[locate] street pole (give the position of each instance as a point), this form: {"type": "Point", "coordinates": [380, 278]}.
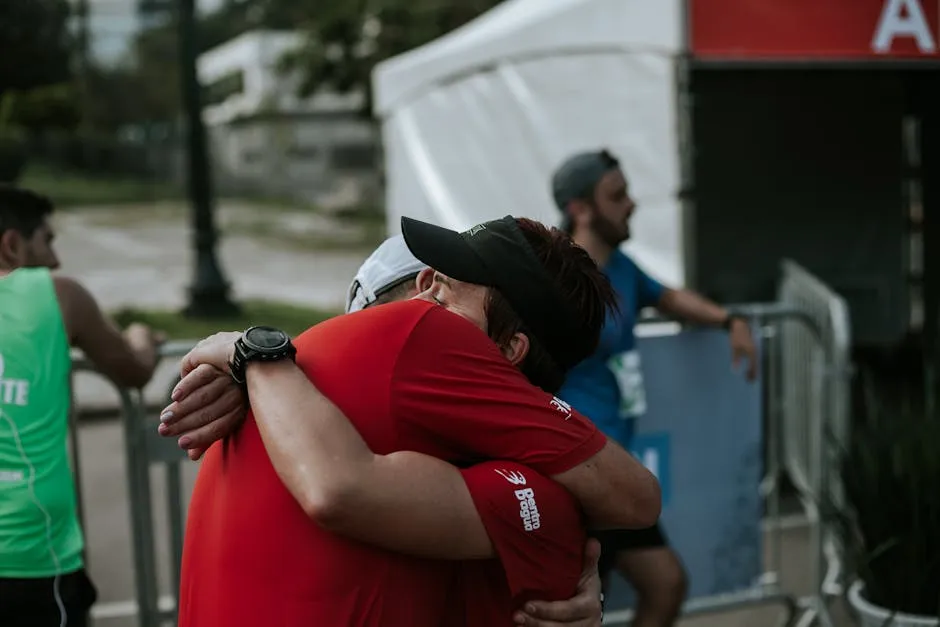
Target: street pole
{"type": "Point", "coordinates": [209, 292]}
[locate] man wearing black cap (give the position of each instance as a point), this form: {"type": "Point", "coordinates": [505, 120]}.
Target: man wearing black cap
{"type": "Point", "coordinates": [439, 375]}
{"type": "Point", "coordinates": [592, 193]}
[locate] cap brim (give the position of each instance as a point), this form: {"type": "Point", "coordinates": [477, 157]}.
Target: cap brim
{"type": "Point", "coordinates": [445, 251]}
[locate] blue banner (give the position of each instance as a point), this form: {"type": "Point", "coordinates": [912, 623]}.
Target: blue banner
{"type": "Point", "coordinates": [702, 436]}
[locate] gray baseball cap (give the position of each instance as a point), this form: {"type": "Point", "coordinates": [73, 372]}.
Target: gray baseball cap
{"type": "Point", "coordinates": [578, 175]}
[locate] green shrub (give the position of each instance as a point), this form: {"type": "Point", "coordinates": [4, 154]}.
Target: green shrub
{"type": "Point", "coordinates": [890, 521]}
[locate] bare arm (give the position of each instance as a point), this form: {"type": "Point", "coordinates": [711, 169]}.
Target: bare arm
{"type": "Point", "coordinates": [615, 490]}
{"type": "Point", "coordinates": [423, 503]}
{"type": "Point", "coordinates": [687, 305]}
{"type": "Point", "coordinates": [98, 337]}
{"type": "Point", "coordinates": [429, 510]}
{"type": "Point", "coordinates": [342, 485]}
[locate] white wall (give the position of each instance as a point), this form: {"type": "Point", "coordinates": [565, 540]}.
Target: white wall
{"type": "Point", "coordinates": [257, 55]}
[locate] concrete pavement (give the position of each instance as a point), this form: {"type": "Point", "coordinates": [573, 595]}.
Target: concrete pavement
{"type": "Point", "coordinates": [142, 257]}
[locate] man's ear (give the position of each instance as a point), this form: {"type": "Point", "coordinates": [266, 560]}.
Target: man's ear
{"type": "Point", "coordinates": [516, 349]}
{"type": "Point", "coordinates": [12, 249]}
{"type": "Point", "coordinates": [578, 209]}
{"type": "Point", "coordinates": [424, 280]}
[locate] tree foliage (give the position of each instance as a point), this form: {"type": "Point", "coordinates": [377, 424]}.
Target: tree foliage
{"type": "Point", "coordinates": [35, 44]}
{"type": "Point", "coordinates": [156, 50]}
{"type": "Point", "coordinates": [347, 38]}
{"type": "Point", "coordinates": [51, 107]}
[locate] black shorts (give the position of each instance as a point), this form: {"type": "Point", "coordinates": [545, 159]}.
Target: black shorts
{"type": "Point", "coordinates": [620, 540]}
{"type": "Point", "coordinates": [34, 602]}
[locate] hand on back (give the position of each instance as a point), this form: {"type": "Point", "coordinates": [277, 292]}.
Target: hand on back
{"type": "Point", "coordinates": [585, 609]}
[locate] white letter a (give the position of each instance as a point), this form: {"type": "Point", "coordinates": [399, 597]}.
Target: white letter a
{"type": "Point", "coordinates": [893, 23]}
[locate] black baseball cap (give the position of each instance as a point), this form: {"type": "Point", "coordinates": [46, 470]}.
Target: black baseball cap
{"type": "Point", "coordinates": [578, 175]}
{"type": "Point", "coordinates": [496, 254]}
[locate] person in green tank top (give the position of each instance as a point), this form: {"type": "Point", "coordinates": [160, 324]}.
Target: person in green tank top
{"type": "Point", "coordinates": [42, 577]}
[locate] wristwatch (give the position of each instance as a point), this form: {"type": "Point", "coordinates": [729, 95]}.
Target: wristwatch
{"type": "Point", "coordinates": [729, 320]}
{"type": "Point", "coordinates": [259, 344]}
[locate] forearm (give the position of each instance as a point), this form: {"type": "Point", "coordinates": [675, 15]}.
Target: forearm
{"type": "Point", "coordinates": [316, 452]}
{"type": "Point", "coordinates": [423, 504]}
{"type": "Point", "coordinates": [687, 305]}
{"type": "Point", "coordinates": [614, 489]}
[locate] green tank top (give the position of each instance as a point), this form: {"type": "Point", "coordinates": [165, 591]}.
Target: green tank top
{"type": "Point", "coordinates": [39, 531]}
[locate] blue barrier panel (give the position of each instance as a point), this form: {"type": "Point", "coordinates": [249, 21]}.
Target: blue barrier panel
{"type": "Point", "coordinates": [702, 436]}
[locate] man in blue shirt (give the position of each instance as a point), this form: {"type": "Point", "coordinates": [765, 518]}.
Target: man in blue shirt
{"type": "Point", "coordinates": [592, 193]}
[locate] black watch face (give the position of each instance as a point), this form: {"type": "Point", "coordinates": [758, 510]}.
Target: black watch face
{"type": "Point", "coordinates": [266, 338]}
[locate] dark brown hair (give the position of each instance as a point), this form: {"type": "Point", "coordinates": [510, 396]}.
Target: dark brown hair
{"type": "Point", "coordinates": [579, 281]}
{"type": "Point", "coordinates": [22, 210]}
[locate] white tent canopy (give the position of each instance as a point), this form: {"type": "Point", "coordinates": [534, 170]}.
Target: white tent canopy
{"type": "Point", "coordinates": [475, 122]}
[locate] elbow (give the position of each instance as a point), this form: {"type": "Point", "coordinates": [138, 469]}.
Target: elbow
{"type": "Point", "coordinates": [647, 506]}
{"type": "Point", "coordinates": [133, 377]}
{"type": "Point", "coordinates": [327, 505]}
{"type": "Point", "coordinates": [642, 509]}
{"type": "Point", "coordinates": [137, 379]}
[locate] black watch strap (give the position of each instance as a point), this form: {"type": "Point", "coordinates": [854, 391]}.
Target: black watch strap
{"type": "Point", "coordinates": [237, 365]}
{"type": "Point", "coordinates": [729, 320]}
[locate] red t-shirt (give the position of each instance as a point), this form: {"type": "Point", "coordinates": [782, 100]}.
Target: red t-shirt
{"type": "Point", "coordinates": [536, 528]}
{"type": "Point", "coordinates": [409, 376]}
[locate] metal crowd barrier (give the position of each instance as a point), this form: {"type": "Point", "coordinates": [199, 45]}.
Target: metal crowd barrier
{"type": "Point", "coordinates": [145, 449]}
{"type": "Point", "coordinates": [801, 379]}
{"type": "Point", "coordinates": [806, 341]}
{"type": "Point", "coordinates": [767, 320]}
{"type": "Point", "coordinates": [814, 409]}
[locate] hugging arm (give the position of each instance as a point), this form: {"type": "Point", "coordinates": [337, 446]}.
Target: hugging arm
{"type": "Point", "coordinates": [423, 502]}
{"type": "Point", "coordinates": [483, 398]}
{"type": "Point", "coordinates": [430, 507]}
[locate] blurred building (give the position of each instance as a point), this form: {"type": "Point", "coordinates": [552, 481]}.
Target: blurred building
{"type": "Point", "coordinates": [267, 139]}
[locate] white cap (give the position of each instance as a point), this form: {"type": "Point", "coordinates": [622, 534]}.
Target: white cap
{"type": "Point", "coordinates": [388, 266]}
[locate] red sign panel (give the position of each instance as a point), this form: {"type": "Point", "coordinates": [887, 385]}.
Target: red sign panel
{"type": "Point", "coordinates": [815, 29]}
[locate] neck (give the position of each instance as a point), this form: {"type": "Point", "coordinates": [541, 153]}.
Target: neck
{"type": "Point", "coordinates": [599, 250]}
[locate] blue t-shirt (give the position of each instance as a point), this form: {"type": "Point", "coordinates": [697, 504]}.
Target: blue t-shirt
{"type": "Point", "coordinates": [591, 387]}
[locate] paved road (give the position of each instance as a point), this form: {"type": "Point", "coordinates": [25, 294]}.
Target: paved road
{"type": "Point", "coordinates": [141, 257]}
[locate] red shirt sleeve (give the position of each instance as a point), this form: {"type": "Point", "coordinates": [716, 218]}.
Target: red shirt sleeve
{"type": "Point", "coordinates": [535, 526]}
{"type": "Point", "coordinates": [454, 393]}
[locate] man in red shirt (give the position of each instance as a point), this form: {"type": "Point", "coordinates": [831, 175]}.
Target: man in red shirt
{"type": "Point", "coordinates": [504, 503]}
{"type": "Point", "coordinates": [510, 501]}
{"type": "Point", "coordinates": [426, 363]}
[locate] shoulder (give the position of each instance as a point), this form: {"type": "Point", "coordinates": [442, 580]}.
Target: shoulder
{"type": "Point", "coordinates": [79, 309]}
{"type": "Point", "coordinates": [623, 261]}
{"type": "Point", "coordinates": [74, 298]}
{"type": "Point", "coordinates": [440, 336]}
{"type": "Point", "coordinates": [395, 318]}
{"type": "Point", "coordinates": [69, 286]}
{"type": "Point", "coordinates": [28, 279]}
